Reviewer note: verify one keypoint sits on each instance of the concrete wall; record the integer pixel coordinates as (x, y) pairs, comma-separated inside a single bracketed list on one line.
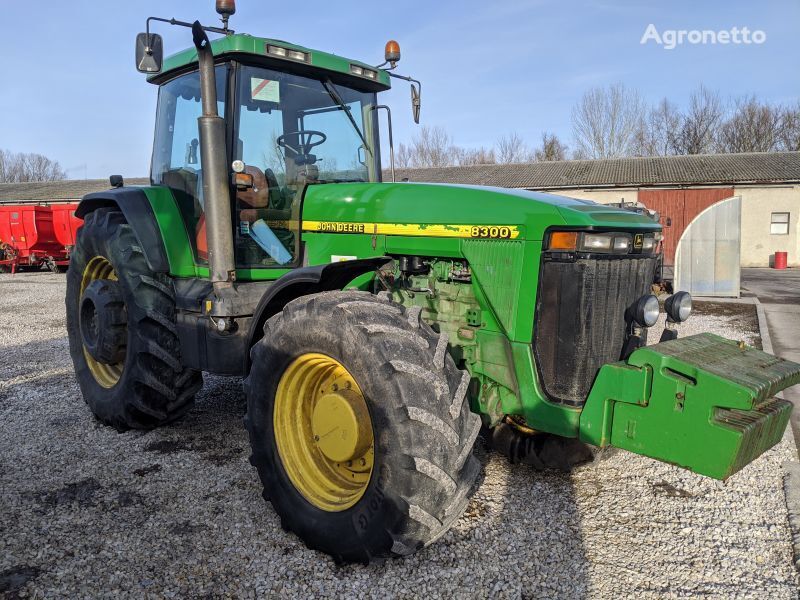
[(758, 204)]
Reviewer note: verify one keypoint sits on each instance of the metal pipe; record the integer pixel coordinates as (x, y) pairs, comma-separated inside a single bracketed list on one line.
[(391, 139), (213, 162)]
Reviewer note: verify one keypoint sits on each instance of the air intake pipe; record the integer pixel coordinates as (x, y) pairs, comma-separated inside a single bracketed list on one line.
[(213, 162)]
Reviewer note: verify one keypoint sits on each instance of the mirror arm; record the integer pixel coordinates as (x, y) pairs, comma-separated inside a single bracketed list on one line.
[(412, 81), (405, 78), (391, 140), (174, 21)]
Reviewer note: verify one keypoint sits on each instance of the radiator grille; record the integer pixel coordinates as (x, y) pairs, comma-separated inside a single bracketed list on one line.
[(580, 320)]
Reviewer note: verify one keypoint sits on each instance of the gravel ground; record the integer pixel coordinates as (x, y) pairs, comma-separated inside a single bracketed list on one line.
[(177, 512)]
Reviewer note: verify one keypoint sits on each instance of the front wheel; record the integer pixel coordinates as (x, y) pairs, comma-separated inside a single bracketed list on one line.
[(122, 332), (360, 426)]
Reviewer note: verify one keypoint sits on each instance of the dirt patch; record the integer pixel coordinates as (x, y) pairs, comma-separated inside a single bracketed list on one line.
[(209, 447), (14, 579), (81, 493), (663, 488), (725, 309), (186, 528), (168, 446), (155, 468)]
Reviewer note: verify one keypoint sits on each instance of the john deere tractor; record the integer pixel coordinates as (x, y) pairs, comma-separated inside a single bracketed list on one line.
[(379, 326)]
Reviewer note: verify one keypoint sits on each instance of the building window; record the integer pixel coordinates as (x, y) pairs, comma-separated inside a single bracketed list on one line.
[(779, 224)]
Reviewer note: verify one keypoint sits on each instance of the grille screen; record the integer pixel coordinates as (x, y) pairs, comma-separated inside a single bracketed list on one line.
[(580, 320)]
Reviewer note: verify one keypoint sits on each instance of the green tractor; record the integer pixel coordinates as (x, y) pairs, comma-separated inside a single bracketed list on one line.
[(379, 326)]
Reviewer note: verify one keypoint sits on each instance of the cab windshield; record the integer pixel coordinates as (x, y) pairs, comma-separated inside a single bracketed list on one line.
[(305, 130)]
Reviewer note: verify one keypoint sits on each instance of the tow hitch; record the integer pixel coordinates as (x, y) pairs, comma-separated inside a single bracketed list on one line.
[(703, 402)]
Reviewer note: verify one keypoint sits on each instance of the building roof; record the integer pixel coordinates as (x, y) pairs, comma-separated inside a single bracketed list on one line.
[(697, 169), (48, 191)]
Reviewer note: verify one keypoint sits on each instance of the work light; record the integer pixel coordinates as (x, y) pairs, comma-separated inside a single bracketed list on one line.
[(678, 306), (645, 311)]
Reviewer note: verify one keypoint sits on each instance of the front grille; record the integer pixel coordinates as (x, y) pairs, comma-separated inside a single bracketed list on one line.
[(580, 319)]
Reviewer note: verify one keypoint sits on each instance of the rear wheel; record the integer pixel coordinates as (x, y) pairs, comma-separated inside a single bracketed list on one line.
[(360, 426), (122, 333)]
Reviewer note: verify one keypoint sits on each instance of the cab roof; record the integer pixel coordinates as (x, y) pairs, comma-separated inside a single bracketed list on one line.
[(251, 48)]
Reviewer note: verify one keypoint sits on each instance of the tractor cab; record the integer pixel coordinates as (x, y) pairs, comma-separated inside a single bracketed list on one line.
[(289, 124), (287, 127), (292, 117)]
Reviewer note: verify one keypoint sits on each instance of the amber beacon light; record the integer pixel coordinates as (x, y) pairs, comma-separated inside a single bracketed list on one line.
[(392, 52)]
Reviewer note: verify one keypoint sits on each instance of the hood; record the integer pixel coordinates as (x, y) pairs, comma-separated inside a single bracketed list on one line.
[(448, 204)]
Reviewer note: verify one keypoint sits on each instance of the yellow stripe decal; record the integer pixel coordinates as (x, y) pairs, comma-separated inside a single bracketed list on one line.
[(508, 232)]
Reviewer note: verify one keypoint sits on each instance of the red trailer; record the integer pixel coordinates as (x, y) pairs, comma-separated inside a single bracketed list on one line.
[(65, 224), (34, 235)]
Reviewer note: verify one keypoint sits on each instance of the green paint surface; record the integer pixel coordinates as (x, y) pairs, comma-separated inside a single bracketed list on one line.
[(703, 403), (245, 44), (427, 203)]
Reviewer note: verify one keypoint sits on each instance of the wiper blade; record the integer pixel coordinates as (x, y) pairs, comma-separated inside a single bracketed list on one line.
[(334, 94)]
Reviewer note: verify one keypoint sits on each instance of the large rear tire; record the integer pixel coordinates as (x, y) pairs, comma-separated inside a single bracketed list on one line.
[(415, 478), (132, 378)]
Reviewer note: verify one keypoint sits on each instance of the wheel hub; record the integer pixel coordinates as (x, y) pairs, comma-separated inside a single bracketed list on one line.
[(340, 423), (102, 322), (102, 313)]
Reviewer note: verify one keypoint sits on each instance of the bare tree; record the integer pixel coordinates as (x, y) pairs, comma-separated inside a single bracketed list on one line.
[(18, 167), (432, 147), (699, 130), (657, 134), (467, 157), (753, 127), (789, 138), (4, 165), (605, 121), (512, 149), (403, 156), (551, 149)]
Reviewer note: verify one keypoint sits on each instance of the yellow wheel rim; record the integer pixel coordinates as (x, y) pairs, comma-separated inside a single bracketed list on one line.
[(323, 432), (105, 375)]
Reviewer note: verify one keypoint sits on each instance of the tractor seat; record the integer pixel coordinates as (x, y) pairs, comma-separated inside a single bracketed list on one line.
[(258, 195), (262, 201)]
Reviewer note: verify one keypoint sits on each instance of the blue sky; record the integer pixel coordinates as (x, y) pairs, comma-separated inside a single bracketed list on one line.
[(69, 90)]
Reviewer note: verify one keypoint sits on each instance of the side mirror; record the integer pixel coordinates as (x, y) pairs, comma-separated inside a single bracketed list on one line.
[(149, 53), (415, 103)]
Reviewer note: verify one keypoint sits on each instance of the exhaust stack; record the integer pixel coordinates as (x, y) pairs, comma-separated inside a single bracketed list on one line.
[(213, 161)]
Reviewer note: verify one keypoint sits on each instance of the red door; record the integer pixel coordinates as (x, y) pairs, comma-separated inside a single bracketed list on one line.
[(678, 208)]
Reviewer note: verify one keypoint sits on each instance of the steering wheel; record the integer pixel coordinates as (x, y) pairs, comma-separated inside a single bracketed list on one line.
[(307, 141)]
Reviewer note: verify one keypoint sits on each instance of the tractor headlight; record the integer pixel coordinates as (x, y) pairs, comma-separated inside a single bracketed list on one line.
[(679, 306), (601, 242), (596, 242), (645, 311)]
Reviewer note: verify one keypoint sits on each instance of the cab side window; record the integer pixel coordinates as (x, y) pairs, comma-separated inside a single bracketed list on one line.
[(176, 151)]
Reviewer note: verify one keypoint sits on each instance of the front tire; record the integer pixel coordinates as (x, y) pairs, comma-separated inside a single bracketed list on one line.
[(421, 467), (134, 378)]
